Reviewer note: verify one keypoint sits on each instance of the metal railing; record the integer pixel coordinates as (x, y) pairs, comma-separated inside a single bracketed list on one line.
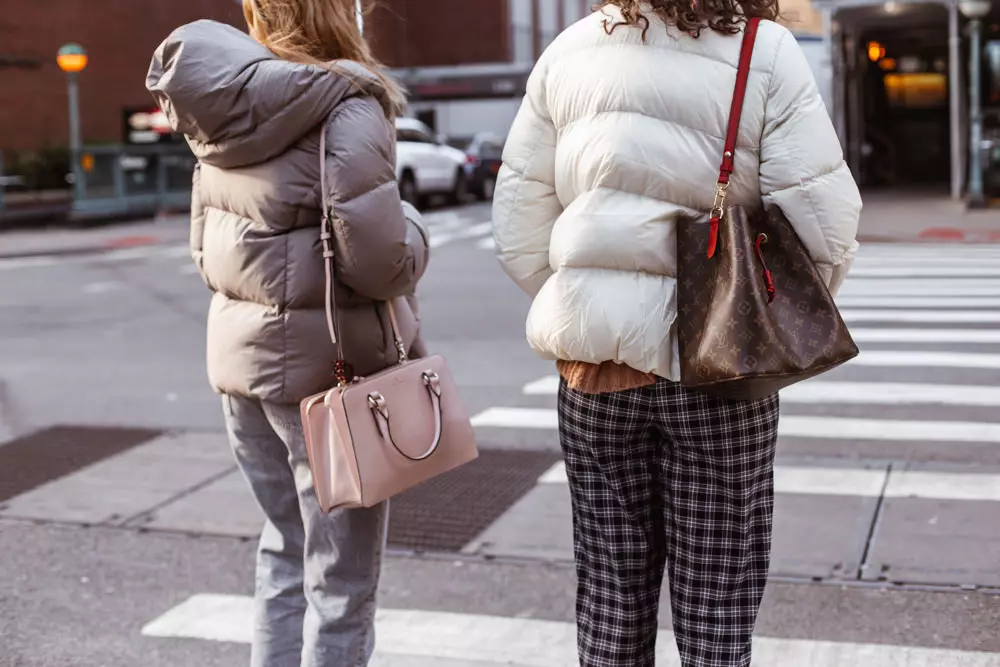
[(127, 180), (107, 182)]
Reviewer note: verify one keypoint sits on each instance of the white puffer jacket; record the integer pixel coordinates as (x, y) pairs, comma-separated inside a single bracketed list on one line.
[(617, 141)]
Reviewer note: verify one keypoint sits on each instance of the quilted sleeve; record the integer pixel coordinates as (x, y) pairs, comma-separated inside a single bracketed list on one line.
[(381, 245), (802, 167), (197, 238), (525, 206)]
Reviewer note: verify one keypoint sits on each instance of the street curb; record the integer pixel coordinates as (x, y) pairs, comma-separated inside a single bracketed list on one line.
[(108, 245), (938, 235)]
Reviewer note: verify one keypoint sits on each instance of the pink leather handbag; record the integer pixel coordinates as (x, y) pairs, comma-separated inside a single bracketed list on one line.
[(371, 438)]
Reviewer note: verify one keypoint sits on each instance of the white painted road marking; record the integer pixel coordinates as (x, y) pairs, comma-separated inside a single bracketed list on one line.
[(922, 316), (921, 287), (894, 335), (492, 641), (920, 358), (796, 480), (891, 393), (943, 486), (858, 301), (968, 269), (124, 254), (793, 426), (458, 233), (861, 393), (865, 483), (101, 288)]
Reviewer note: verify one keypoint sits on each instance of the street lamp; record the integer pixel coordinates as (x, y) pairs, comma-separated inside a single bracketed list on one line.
[(975, 11), (72, 59)]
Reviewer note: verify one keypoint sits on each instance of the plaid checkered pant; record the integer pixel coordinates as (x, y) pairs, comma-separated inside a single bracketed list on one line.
[(665, 477)]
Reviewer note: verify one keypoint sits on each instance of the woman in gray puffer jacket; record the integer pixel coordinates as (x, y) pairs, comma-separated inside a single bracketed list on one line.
[(252, 108)]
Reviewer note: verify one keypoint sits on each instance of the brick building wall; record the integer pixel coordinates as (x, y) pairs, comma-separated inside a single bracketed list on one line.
[(119, 36), (435, 33)]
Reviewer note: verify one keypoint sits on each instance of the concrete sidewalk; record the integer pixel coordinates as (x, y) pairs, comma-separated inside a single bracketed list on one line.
[(173, 229), (890, 216)]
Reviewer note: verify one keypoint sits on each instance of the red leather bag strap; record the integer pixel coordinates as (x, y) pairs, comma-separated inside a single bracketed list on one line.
[(732, 133), (736, 110)]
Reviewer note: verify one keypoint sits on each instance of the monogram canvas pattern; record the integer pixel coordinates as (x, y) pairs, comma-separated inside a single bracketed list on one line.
[(732, 341)]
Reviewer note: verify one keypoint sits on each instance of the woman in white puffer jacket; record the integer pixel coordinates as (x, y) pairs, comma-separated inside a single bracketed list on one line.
[(617, 142)]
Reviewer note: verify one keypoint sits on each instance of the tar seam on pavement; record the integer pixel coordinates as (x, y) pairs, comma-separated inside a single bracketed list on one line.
[(43, 456), (448, 512)]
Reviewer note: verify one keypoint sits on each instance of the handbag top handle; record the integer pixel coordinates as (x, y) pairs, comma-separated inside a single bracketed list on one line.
[(732, 133), (341, 368)]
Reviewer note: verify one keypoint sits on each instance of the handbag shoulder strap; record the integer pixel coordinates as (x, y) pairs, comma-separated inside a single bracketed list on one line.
[(326, 235), (732, 131)]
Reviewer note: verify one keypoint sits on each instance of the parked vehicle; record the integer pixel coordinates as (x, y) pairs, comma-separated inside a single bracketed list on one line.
[(484, 154), (426, 166)]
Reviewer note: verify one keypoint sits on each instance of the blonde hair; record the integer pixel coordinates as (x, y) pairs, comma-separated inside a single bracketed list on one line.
[(319, 32)]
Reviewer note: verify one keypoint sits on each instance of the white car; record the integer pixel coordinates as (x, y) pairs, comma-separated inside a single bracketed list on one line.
[(425, 166)]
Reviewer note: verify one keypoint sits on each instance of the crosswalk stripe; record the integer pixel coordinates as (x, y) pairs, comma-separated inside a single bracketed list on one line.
[(950, 271), (865, 483), (457, 233), (926, 359), (862, 393), (795, 426), (894, 335), (922, 316), (797, 480), (920, 287), (891, 393), (492, 641), (957, 251), (857, 301), (889, 287)]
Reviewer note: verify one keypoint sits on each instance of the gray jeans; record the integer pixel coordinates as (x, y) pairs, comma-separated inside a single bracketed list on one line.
[(317, 574)]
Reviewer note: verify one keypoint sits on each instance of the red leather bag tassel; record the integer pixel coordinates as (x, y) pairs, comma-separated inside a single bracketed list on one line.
[(713, 236), (768, 278)]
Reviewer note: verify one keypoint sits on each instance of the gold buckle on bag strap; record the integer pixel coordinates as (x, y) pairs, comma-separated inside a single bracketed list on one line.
[(719, 205)]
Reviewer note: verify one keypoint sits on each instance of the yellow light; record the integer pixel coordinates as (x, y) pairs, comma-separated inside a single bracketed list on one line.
[(72, 58), (875, 51), (72, 63), (87, 162), (888, 64)]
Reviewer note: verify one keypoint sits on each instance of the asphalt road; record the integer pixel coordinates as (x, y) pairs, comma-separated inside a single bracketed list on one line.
[(116, 339)]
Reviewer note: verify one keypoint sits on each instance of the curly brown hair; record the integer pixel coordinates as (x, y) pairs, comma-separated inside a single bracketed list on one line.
[(693, 16)]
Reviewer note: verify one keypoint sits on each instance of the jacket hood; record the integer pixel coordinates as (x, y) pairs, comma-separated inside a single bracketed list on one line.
[(237, 102)]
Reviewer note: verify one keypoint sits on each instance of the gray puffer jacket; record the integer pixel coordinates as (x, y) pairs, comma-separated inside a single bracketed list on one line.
[(254, 122)]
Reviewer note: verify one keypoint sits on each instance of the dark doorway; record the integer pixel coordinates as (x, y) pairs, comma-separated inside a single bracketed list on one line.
[(898, 95)]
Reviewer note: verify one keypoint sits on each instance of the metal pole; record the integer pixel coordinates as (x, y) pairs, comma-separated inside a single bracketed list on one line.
[(75, 148), (976, 198), (855, 106), (955, 86), (838, 68), (3, 182), (536, 30), (359, 13)]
